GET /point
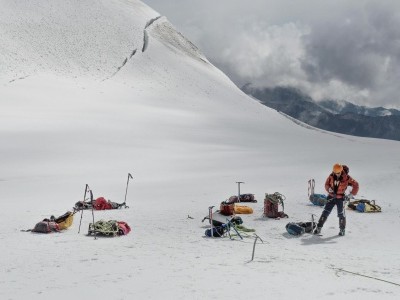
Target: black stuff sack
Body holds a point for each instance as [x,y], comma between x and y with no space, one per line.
[300,228]
[217,231]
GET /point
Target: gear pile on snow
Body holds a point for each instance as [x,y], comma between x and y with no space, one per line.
[229,209]
[54,224]
[243,198]
[224,229]
[109,228]
[99,204]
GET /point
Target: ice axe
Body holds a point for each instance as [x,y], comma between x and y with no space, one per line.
[126,191]
[91,200]
[254,245]
[239,182]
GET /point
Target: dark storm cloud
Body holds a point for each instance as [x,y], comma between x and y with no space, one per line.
[339,49]
[360,48]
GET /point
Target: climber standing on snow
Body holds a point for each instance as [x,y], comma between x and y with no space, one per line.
[336,185]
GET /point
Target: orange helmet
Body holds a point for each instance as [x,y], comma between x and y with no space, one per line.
[337,168]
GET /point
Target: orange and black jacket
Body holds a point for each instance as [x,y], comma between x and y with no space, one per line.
[339,185]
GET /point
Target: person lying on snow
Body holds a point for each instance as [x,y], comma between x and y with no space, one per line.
[336,185]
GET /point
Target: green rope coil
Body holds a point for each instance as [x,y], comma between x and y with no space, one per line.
[106,227]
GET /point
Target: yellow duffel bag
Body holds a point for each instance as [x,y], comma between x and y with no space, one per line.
[243,209]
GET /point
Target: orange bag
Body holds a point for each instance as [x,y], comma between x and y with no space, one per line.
[242,209]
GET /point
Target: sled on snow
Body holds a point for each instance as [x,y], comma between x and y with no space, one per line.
[100,203]
[53,224]
[65,221]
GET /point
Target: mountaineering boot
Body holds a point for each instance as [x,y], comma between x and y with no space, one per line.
[321,222]
[342,225]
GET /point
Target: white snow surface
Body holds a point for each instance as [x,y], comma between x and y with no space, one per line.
[73,113]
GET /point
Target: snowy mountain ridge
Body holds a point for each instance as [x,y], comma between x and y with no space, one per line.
[342,107]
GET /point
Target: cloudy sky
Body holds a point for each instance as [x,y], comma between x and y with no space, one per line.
[339,49]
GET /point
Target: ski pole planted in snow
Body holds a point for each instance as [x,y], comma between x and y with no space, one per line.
[91,200]
[210,213]
[230,225]
[127,183]
[239,182]
[84,197]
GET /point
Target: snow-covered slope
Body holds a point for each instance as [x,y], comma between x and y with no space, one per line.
[69,37]
[87,111]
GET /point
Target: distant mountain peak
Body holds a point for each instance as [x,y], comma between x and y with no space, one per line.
[343,107]
[332,115]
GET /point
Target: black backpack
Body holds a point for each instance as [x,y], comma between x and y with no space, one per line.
[300,227]
[217,231]
[346,169]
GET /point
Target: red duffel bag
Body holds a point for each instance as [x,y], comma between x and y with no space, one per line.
[101,204]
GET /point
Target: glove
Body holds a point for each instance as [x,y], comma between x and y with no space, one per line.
[330,191]
[350,196]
